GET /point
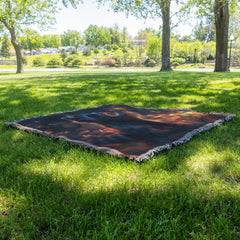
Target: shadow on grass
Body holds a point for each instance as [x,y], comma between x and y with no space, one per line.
[34,95]
[109,198]
[43,206]
[63,92]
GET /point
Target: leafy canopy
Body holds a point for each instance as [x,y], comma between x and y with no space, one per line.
[21,13]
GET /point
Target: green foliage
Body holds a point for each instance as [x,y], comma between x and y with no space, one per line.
[96,50]
[86,52]
[119,60]
[105,51]
[68,60]
[17,14]
[125,50]
[154,48]
[73,61]
[150,62]
[140,51]
[236,52]
[77,62]
[124,35]
[51,41]
[192,50]
[97,36]
[234,25]
[31,40]
[38,62]
[63,54]
[71,38]
[115,35]
[74,51]
[54,62]
[118,52]
[115,47]
[138,62]
[205,33]
[195,57]
[109,47]
[5,49]
[178,60]
[126,59]
[97,62]
[175,64]
[145,35]
[109,62]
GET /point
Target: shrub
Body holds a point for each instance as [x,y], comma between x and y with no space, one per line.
[74,51]
[150,62]
[115,46]
[178,60]
[76,62]
[38,62]
[54,62]
[109,61]
[125,50]
[203,59]
[73,61]
[68,60]
[63,54]
[119,60]
[96,50]
[109,48]
[86,52]
[138,62]
[126,59]
[105,52]
[97,62]
[175,64]
[118,52]
[131,46]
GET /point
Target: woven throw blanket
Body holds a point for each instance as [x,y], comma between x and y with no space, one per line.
[136,133]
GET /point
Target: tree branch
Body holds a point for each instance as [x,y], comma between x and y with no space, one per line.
[5,23]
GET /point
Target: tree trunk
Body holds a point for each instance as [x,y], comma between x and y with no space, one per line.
[17,48]
[221,12]
[165,8]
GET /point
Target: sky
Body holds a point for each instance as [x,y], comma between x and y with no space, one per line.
[88,13]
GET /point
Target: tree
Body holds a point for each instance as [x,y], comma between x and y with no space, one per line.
[234,25]
[15,15]
[5,49]
[124,35]
[221,10]
[205,32]
[165,9]
[115,35]
[144,9]
[31,41]
[72,38]
[51,41]
[97,36]
[154,48]
[144,35]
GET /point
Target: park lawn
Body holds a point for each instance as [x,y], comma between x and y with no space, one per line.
[53,190]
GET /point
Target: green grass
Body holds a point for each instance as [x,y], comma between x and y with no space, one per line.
[52,190]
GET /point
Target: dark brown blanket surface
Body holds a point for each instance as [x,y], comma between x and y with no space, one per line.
[136,133]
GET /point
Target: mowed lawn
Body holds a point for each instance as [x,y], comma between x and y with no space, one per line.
[53,190]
